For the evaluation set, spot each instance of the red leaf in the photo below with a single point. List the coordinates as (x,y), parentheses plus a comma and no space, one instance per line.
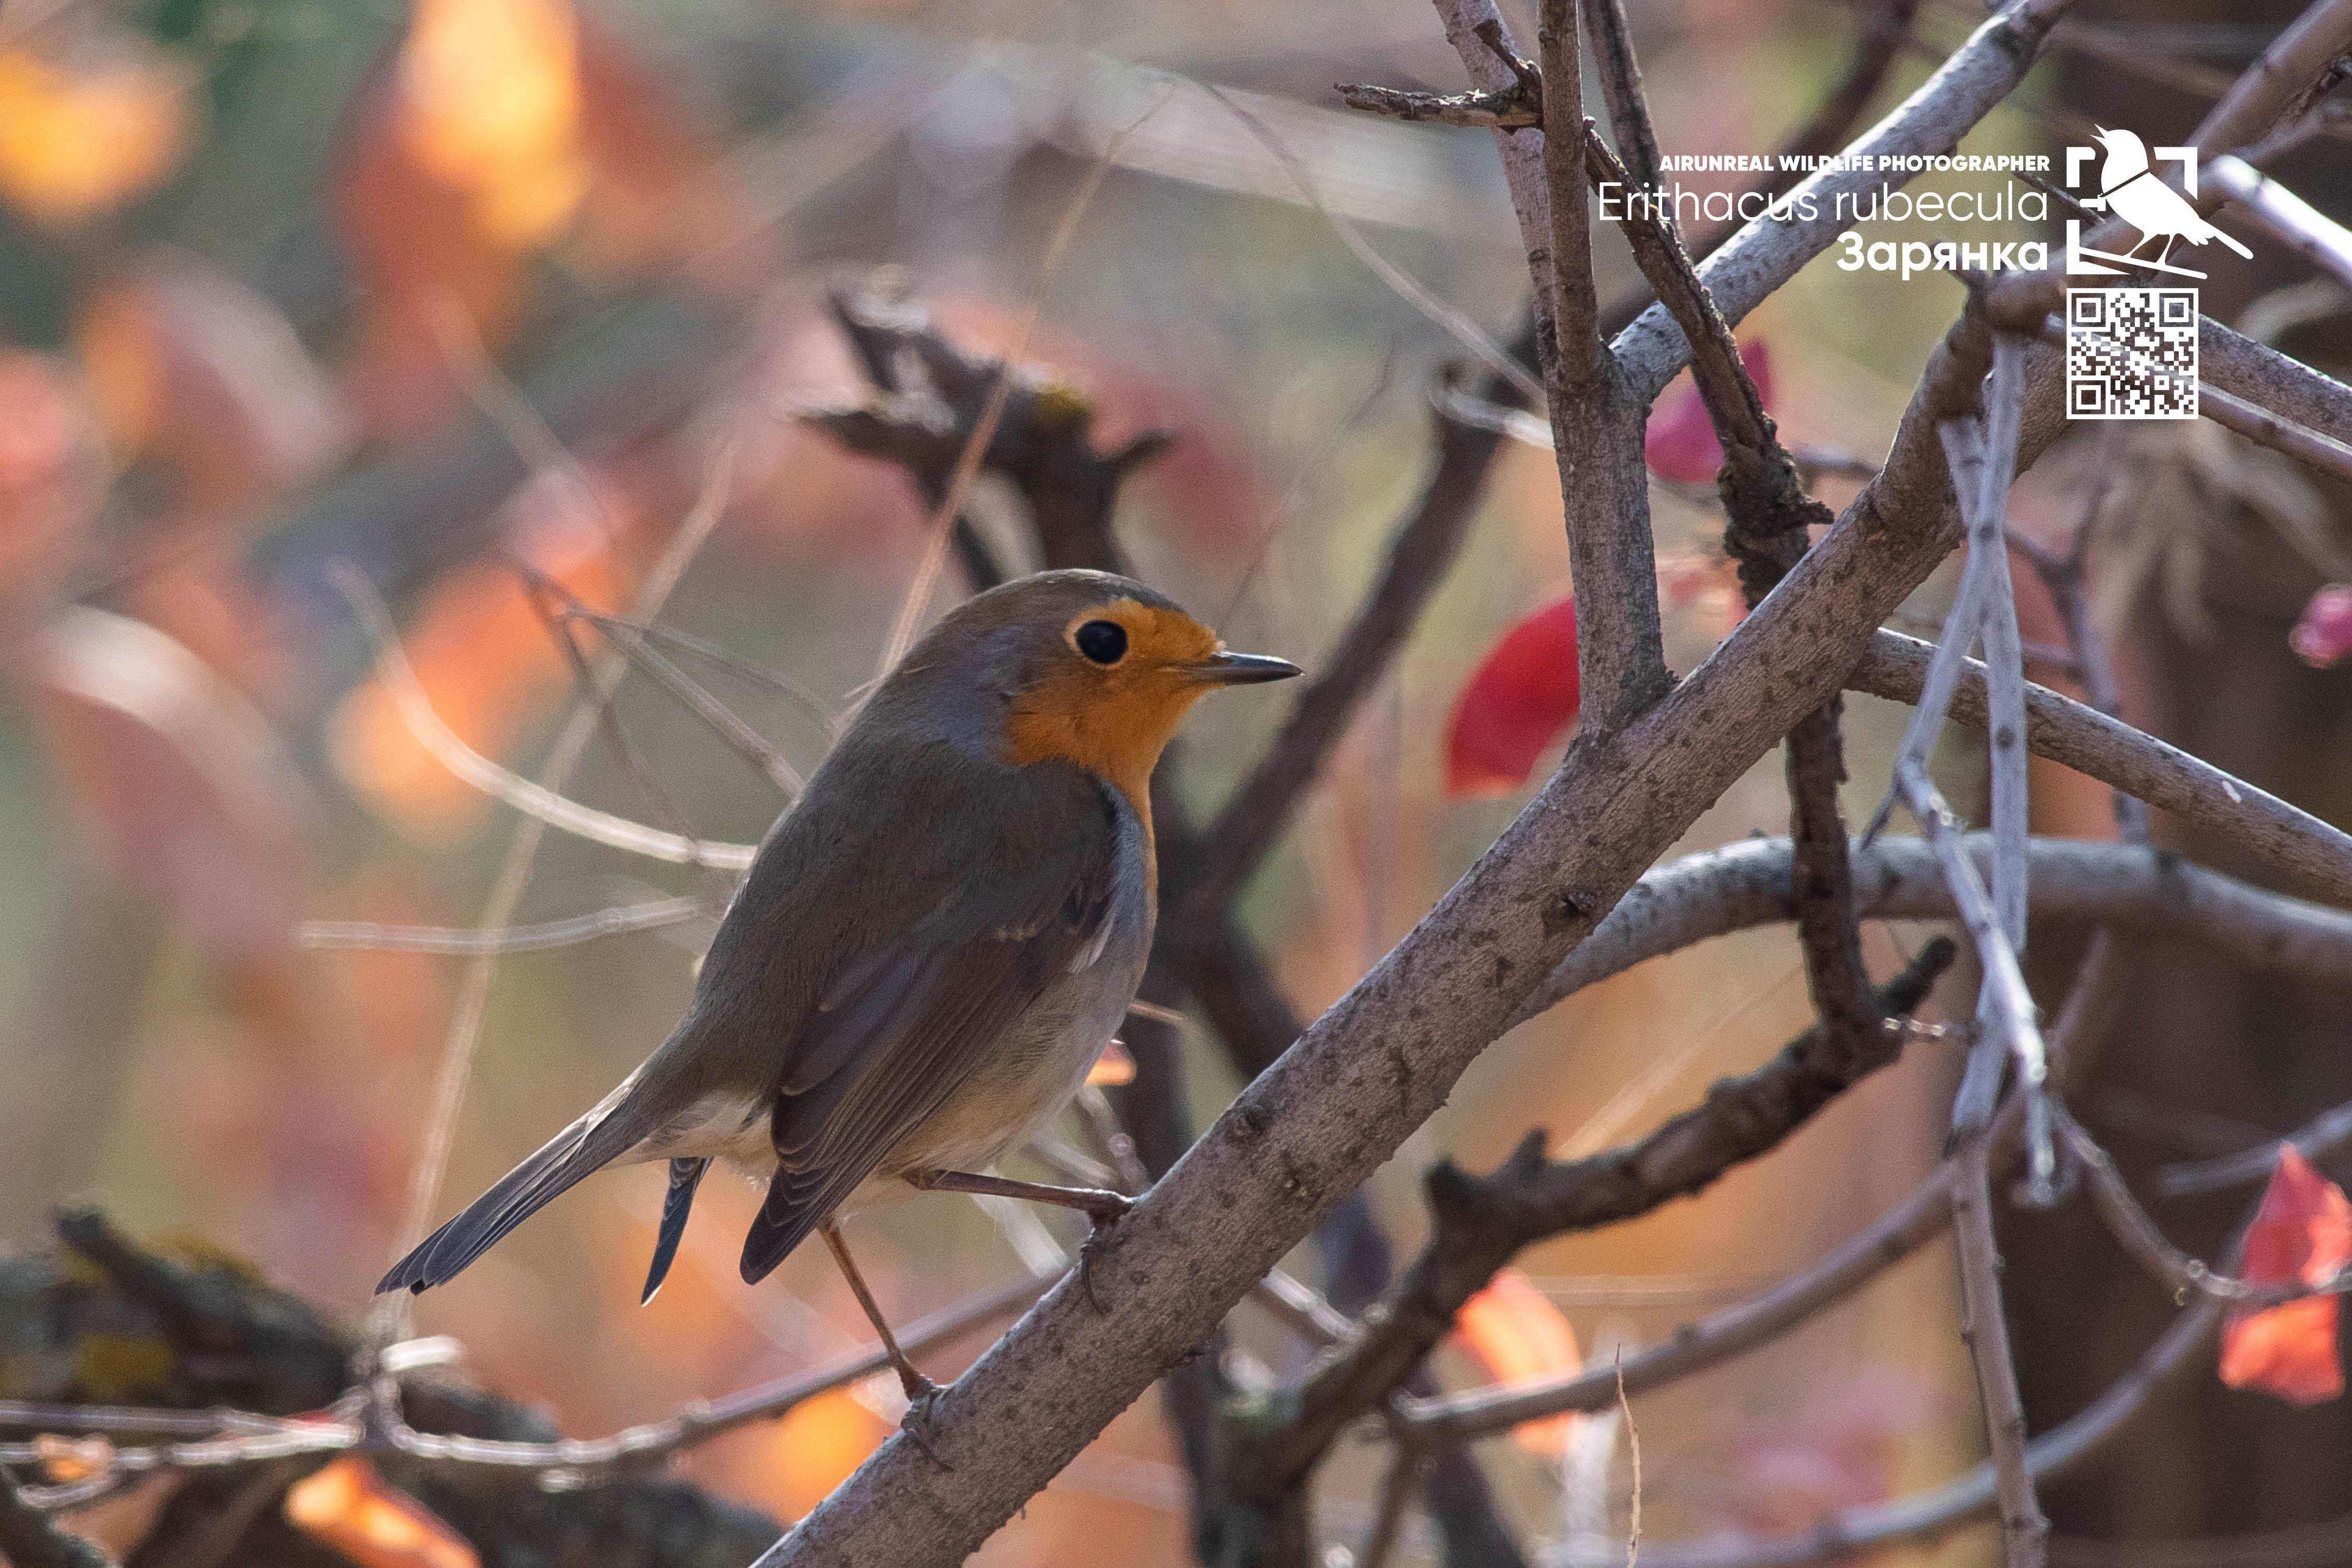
(2301,1232)
(1520,698)
(1680,444)
(2323,634)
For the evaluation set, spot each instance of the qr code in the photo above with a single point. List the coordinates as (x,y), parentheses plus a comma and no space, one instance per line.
(2131,353)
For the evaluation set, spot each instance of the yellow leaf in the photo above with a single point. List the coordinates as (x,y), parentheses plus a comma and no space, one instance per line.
(491,93)
(76,142)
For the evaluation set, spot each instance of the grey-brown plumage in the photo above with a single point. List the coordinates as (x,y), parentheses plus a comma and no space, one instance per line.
(930,948)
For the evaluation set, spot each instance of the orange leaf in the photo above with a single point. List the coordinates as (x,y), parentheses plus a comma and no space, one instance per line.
(187,365)
(486,659)
(352,1509)
(1113,1069)
(78,140)
(71,1458)
(1517,1335)
(2301,1232)
(491,93)
(792,1464)
(461,160)
(1522,695)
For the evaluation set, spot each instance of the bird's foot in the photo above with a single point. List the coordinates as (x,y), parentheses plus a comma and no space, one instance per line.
(922,1406)
(1106,1217)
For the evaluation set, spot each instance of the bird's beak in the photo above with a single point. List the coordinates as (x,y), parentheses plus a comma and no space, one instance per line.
(1224,669)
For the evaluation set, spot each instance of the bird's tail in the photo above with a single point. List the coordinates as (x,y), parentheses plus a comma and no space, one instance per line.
(596,1140)
(2232,242)
(685,1176)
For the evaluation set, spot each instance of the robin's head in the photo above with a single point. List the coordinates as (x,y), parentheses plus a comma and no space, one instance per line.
(1080,667)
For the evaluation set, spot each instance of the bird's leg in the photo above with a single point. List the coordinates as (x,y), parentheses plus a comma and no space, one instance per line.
(920,1391)
(1095,1203)
(1102,1208)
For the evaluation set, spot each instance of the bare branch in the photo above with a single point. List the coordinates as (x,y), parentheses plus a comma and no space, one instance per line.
(608,922)
(2280,82)
(1768,252)
(1713,1340)
(1480,1223)
(2140,1236)
(536,801)
(1509,110)
(2319,1138)
(514,872)
(1859,1531)
(2166,778)
(2153,894)
(1621,86)
(2024,1531)
(2303,228)
(28,1539)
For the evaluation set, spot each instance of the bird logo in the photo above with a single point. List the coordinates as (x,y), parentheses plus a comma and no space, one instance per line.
(2130,190)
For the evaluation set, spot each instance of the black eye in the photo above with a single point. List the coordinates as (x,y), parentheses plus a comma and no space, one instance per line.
(1103,642)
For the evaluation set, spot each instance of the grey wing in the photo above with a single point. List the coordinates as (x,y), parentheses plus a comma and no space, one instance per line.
(904,1023)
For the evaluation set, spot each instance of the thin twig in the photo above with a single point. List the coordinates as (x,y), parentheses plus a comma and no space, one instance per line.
(1402,284)
(1634,1449)
(1985,1327)
(1396,1491)
(938,532)
(2177,1270)
(611,921)
(2316,1139)
(457,1050)
(2070,733)
(536,801)
(235,1438)
(30,1538)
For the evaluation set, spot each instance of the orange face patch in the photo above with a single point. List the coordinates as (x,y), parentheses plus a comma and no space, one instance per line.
(1113,719)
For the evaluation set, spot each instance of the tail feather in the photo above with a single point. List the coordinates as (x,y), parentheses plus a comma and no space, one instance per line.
(596,1140)
(685,1176)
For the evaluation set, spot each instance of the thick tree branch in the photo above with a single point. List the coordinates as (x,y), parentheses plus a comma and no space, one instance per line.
(1767,518)
(1596,428)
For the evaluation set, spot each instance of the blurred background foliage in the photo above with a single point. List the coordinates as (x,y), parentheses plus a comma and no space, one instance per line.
(275,278)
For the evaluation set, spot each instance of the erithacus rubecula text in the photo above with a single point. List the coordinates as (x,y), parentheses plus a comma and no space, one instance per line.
(931,946)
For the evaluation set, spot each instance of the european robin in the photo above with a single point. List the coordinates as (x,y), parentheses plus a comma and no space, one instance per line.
(932,945)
